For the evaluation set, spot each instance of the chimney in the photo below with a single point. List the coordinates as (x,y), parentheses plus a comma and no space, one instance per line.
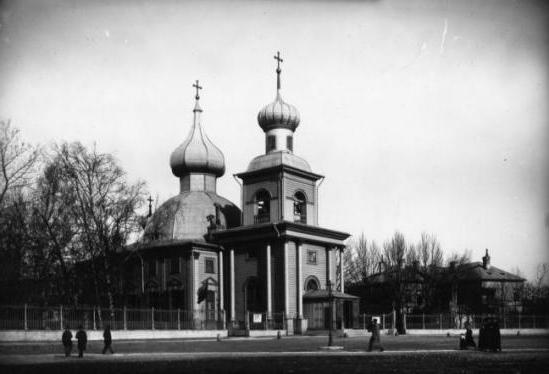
(486,260)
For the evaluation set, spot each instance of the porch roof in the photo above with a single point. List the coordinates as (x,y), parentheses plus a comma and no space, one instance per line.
(324,295)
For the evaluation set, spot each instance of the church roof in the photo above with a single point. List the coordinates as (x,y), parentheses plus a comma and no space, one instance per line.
(185,217)
(278,158)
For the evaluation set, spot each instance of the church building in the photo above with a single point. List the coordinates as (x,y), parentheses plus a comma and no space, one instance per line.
(266,266)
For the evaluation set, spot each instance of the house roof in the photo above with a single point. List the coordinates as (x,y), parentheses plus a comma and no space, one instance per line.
(475,271)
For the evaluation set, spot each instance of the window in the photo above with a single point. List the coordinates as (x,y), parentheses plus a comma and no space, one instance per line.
(210,265)
(311,257)
(174,265)
(290,143)
(210,305)
(300,207)
(311,284)
(271,143)
(152,268)
(262,209)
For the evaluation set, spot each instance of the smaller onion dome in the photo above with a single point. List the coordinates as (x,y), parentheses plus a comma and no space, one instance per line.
(197,154)
(278,114)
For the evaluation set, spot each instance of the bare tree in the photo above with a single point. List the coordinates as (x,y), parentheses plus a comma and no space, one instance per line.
(17,159)
(459,258)
(103,206)
(361,259)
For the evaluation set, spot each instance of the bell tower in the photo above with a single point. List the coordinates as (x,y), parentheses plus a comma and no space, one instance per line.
(278,185)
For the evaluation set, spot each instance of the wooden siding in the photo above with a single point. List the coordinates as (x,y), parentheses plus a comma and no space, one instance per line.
(318,270)
(292,278)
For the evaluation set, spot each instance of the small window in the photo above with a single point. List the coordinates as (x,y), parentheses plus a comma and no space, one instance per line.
(152,268)
(262,209)
(210,265)
(311,257)
(290,143)
(300,207)
(174,265)
(271,143)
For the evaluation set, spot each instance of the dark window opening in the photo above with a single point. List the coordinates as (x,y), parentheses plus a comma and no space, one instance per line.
(270,143)
(210,265)
(300,207)
(152,268)
(312,285)
(174,265)
(290,143)
(262,207)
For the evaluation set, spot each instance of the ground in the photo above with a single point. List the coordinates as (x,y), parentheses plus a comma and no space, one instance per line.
(410,354)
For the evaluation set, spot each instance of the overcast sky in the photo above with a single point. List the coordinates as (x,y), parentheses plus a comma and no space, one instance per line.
(423,115)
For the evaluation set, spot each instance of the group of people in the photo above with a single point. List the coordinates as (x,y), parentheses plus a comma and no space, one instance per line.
(489,338)
(82,340)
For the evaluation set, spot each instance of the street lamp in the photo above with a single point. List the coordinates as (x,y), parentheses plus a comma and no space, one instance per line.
(330,299)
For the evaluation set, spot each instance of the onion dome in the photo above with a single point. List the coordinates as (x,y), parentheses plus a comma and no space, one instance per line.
(197,154)
(278,114)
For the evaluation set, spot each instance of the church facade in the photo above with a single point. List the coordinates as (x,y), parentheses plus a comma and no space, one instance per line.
(268,264)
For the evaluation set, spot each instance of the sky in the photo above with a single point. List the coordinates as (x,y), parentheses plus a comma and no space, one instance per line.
(424,116)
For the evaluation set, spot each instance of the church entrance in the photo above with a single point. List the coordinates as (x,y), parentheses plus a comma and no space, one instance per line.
(254,295)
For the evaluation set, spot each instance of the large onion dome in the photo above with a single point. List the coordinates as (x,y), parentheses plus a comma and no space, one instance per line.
(197,154)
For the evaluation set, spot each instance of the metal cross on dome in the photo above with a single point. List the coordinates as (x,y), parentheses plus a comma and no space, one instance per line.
(198,87)
(278,61)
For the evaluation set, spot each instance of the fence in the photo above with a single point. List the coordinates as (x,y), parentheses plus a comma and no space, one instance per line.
(445,321)
(263,321)
(56,318)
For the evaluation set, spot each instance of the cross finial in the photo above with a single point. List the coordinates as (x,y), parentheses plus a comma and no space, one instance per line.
(150,200)
(198,87)
(278,61)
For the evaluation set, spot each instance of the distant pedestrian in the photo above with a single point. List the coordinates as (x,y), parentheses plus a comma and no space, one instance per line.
(467,341)
(82,340)
(375,339)
(107,339)
(67,341)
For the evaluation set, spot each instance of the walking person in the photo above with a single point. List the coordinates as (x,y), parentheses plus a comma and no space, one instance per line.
(375,339)
(82,340)
(107,339)
(66,339)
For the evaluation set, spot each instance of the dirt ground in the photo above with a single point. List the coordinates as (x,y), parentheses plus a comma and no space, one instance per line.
(406,354)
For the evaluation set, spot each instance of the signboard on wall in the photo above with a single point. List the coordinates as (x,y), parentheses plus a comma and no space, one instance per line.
(257,317)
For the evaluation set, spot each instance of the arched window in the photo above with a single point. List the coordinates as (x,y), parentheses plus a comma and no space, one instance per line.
(262,208)
(311,284)
(300,207)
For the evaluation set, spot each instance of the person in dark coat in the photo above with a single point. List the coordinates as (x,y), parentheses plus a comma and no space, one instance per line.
(375,339)
(467,341)
(82,340)
(107,339)
(67,341)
